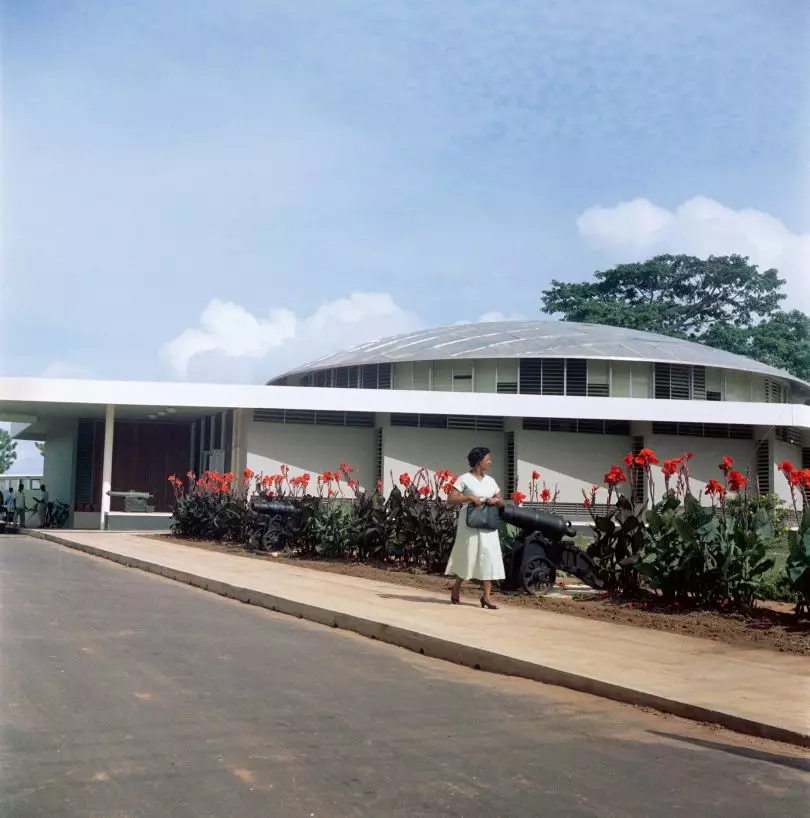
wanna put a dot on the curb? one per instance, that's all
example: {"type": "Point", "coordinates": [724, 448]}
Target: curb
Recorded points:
{"type": "Point", "coordinates": [437, 648]}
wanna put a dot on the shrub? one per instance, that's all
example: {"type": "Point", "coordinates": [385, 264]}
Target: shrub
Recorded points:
{"type": "Point", "coordinates": [797, 568]}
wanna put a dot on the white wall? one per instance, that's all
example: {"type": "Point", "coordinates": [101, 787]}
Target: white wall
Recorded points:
{"type": "Point", "coordinates": [407, 450]}
{"type": "Point", "coordinates": [59, 468]}
{"type": "Point", "coordinates": [708, 453]}
{"type": "Point", "coordinates": [781, 452]}
{"type": "Point", "coordinates": [571, 461]}
{"type": "Point", "coordinates": [310, 449]}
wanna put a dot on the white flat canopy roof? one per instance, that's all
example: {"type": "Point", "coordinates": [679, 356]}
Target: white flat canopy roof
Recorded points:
{"type": "Point", "coordinates": [38, 400]}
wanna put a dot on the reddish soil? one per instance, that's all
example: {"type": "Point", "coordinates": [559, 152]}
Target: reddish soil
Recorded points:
{"type": "Point", "coordinates": [771, 626]}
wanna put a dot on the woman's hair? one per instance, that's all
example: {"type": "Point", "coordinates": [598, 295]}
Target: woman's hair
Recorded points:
{"type": "Point", "coordinates": [477, 455]}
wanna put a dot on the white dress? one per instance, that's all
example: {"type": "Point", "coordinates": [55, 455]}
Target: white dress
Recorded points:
{"type": "Point", "coordinates": [476, 553]}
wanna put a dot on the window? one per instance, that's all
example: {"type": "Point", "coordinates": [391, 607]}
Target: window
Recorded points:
{"type": "Point", "coordinates": [620, 379]}
{"type": "Point", "coordinates": [598, 379]}
{"type": "Point", "coordinates": [640, 377]}
{"type": "Point", "coordinates": [486, 376]}
{"type": "Point", "coordinates": [442, 376]}
{"type": "Point", "coordinates": [507, 377]}
{"type": "Point", "coordinates": [576, 377]}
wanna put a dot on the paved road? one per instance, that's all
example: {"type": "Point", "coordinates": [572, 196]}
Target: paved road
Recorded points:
{"type": "Point", "coordinates": [127, 695]}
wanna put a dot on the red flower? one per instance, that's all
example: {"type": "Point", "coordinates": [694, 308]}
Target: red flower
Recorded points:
{"type": "Point", "coordinates": [736, 480]}
{"type": "Point", "coordinates": [586, 502]}
{"type": "Point", "coordinates": [545, 495]}
{"type": "Point", "coordinates": [424, 491]}
{"type": "Point", "coordinates": [447, 487]}
{"type": "Point", "coordinates": [517, 497]}
{"type": "Point", "coordinates": [247, 474]}
{"type": "Point", "coordinates": [615, 476]}
{"type": "Point", "coordinates": [629, 459]}
{"type": "Point", "coordinates": [714, 488]}
{"type": "Point", "coordinates": [688, 456]}
{"type": "Point", "coordinates": [786, 467]}
{"type": "Point", "coordinates": [405, 479]}
{"type": "Point", "coordinates": [670, 467]}
{"type": "Point", "coordinates": [284, 469]}
{"type": "Point", "coordinates": [646, 457]}
{"type": "Point", "coordinates": [726, 465]}
{"type": "Point", "coordinates": [535, 475]}
{"type": "Point", "coordinates": [345, 469]}
{"type": "Point", "coordinates": [379, 485]}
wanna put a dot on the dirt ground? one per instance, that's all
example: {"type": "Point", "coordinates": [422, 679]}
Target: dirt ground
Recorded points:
{"type": "Point", "coordinates": [771, 626]}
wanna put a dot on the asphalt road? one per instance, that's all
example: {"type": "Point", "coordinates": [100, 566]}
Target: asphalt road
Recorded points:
{"type": "Point", "coordinates": [124, 694]}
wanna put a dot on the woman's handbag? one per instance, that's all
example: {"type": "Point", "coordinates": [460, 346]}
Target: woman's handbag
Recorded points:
{"type": "Point", "coordinates": [484, 517]}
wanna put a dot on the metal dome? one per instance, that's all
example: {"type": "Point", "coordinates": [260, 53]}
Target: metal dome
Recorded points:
{"type": "Point", "coordinates": [539, 339]}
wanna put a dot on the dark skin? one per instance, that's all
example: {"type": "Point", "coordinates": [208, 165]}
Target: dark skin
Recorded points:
{"type": "Point", "coordinates": [456, 498]}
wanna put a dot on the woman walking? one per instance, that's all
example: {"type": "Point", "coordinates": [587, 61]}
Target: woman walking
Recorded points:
{"type": "Point", "coordinates": [476, 553]}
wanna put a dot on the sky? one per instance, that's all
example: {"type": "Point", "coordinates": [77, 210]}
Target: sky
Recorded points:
{"type": "Point", "coordinates": [218, 191]}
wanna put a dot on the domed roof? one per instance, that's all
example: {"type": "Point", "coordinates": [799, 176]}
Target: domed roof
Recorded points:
{"type": "Point", "coordinates": [539, 339]}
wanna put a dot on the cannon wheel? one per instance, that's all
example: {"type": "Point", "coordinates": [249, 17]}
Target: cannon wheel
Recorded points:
{"type": "Point", "coordinates": [539, 576]}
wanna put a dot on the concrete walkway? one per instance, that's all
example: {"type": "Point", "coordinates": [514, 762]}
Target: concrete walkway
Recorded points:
{"type": "Point", "coordinates": [753, 691]}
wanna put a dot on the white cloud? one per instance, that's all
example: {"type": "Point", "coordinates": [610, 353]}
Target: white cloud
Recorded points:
{"type": "Point", "coordinates": [702, 227]}
{"type": "Point", "coordinates": [231, 342]}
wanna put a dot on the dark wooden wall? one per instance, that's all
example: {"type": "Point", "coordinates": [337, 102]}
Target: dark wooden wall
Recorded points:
{"type": "Point", "coordinates": [144, 455]}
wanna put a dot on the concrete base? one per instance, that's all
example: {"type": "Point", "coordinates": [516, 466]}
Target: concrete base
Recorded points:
{"type": "Point", "coordinates": [139, 522]}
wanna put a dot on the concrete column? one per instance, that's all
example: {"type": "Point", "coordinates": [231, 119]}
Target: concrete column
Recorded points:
{"type": "Point", "coordinates": [106, 470]}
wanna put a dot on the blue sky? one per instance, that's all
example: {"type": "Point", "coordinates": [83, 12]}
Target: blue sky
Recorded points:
{"type": "Point", "coordinates": [216, 191]}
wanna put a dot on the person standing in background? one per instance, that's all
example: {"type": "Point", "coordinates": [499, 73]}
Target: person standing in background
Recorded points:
{"type": "Point", "coordinates": [43, 504]}
{"type": "Point", "coordinates": [11, 505]}
{"type": "Point", "coordinates": [22, 499]}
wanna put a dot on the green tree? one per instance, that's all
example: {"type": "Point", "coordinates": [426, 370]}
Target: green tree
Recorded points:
{"type": "Point", "coordinates": [722, 301]}
{"type": "Point", "coordinates": [781, 340]}
{"type": "Point", "coordinates": [8, 451]}
{"type": "Point", "coordinates": [40, 448]}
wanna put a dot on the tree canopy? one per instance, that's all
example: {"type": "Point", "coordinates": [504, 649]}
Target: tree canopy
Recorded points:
{"type": "Point", "coordinates": [722, 301]}
{"type": "Point", "coordinates": [8, 451]}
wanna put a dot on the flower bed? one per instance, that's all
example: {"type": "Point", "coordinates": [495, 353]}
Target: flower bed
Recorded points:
{"type": "Point", "coordinates": [687, 551]}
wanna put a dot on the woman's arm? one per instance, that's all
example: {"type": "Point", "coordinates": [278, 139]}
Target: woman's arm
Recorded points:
{"type": "Point", "coordinates": [497, 500]}
{"type": "Point", "coordinates": [456, 498]}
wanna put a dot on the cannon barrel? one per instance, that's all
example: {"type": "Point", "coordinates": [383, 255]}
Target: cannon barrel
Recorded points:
{"type": "Point", "coordinates": [551, 526]}
{"type": "Point", "coordinates": [273, 507]}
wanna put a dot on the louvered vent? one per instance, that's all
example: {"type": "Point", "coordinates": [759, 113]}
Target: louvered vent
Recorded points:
{"type": "Point", "coordinates": [763, 460]}
{"type": "Point", "coordinates": [638, 476]}
{"type": "Point", "coordinates": [510, 466]}
{"type": "Point", "coordinates": [699, 382]}
{"type": "Point", "coordinates": [576, 377]}
{"type": "Point", "coordinates": [468, 422]}
{"type": "Point", "coordinates": [724, 431]}
{"type": "Point", "coordinates": [307, 417]}
{"type": "Point", "coordinates": [342, 377]}
{"type": "Point", "coordinates": [662, 381]}
{"type": "Point", "coordinates": [581, 426]}
{"type": "Point", "coordinates": [789, 434]}
{"type": "Point", "coordinates": [378, 454]}
{"type": "Point", "coordinates": [531, 376]}
{"type": "Point", "coordinates": [553, 380]}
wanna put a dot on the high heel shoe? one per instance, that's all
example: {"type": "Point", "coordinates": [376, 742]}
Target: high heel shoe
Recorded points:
{"type": "Point", "coordinates": [485, 603]}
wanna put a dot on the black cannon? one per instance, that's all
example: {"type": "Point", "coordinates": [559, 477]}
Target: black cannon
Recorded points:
{"type": "Point", "coordinates": [540, 551]}
{"type": "Point", "coordinates": [272, 523]}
